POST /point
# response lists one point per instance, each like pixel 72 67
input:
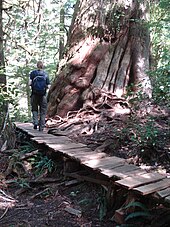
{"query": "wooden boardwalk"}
pixel 116 169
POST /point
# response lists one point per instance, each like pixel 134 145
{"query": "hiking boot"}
pixel 35 126
pixel 40 129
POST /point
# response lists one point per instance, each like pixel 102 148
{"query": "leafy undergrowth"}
pixel 140 137
pixel 34 191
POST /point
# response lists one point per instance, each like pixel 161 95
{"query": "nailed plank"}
pixel 132 182
pixel 28 128
pixel 23 125
pixel 111 166
pixel 56 141
pixel 126 168
pixel 52 141
pixel 103 162
pixel 34 133
pixel 90 156
pixel 167 199
pixel 58 147
pixel 119 171
pixel 153 187
pixel 51 137
pixel 80 155
pixel 38 141
pixel 136 172
pixel 87 178
pixel 163 193
pixel 79 150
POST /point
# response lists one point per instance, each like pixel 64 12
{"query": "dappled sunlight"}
pixel 118 92
pixel 141 63
pixel 83 49
pixel 125 3
pixel 6 201
pixel 144 84
pixel 93 163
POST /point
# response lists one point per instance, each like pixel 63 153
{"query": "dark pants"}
pixel 39 107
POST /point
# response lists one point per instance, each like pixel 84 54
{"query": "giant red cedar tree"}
pixel 108 49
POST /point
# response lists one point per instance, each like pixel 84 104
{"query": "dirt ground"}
pixel 65 203
pixel 50 204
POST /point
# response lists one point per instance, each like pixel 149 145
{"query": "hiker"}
pixel 39 82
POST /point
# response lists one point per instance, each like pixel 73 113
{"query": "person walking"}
pixel 40 83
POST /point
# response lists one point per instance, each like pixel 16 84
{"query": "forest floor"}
pixel 42 196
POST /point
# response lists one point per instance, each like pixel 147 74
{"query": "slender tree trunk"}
pixel 108 50
pixel 61 38
pixel 3 82
pixel 2 62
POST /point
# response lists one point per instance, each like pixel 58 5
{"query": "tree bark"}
pixel 2 62
pixel 108 50
pixel 3 81
pixel 61 37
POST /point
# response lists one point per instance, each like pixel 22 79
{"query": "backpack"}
pixel 39 83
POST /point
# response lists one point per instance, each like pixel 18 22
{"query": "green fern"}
pixel 137 214
pixel 136 204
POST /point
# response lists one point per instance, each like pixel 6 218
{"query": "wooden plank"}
pixel 163 193
pixel 119 171
pixel 90 156
pixel 132 182
pixel 87 178
pixel 136 172
pixel 126 168
pixel 23 125
pixel 110 173
pixel 52 141
pixel 34 133
pixel 50 137
pixel 111 166
pixel 167 199
pixel 28 128
pixel 58 147
pixel 103 162
pixel 153 187
pixel 78 150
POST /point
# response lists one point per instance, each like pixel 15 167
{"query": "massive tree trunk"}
pixel 108 50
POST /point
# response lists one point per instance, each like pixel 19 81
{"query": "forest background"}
pixel 32 30
pixel 38 29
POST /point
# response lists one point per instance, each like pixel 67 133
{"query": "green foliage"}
pixel 28 147
pixel 140 212
pixel 102 205
pixel 142 138
pixel 136 204
pixel 145 135
pixel 7 95
pixel 135 98
pixel 84 202
pixel 160 41
pixel 22 183
pixel 7 98
pixel 160 38
pixel 42 163
pixel 26 35
pixel 161 88
pixel 137 215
